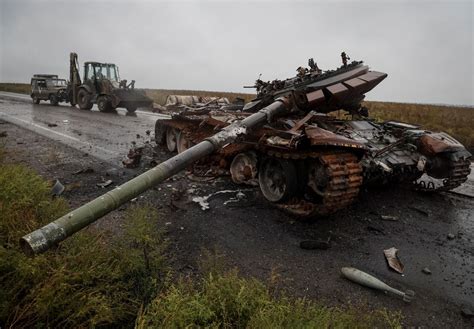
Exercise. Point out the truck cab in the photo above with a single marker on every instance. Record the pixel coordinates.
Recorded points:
(48, 87)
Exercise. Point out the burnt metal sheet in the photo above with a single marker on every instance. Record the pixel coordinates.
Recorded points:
(373, 75)
(338, 94)
(355, 83)
(316, 98)
(438, 143)
(360, 70)
(372, 78)
(319, 136)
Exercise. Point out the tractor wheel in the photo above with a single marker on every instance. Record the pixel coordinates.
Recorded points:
(53, 99)
(36, 100)
(131, 109)
(104, 104)
(84, 100)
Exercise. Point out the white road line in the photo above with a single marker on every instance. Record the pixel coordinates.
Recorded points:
(40, 129)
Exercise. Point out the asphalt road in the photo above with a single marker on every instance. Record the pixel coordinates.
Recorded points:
(259, 238)
(106, 136)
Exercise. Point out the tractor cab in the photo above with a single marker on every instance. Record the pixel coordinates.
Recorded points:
(102, 78)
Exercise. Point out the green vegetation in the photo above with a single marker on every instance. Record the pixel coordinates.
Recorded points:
(230, 301)
(87, 281)
(21, 88)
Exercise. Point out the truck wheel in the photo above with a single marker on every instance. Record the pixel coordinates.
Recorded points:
(104, 104)
(84, 100)
(36, 100)
(131, 109)
(53, 99)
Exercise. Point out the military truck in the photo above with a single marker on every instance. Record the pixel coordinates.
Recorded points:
(101, 85)
(48, 87)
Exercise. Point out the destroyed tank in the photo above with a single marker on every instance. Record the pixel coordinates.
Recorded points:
(305, 160)
(311, 162)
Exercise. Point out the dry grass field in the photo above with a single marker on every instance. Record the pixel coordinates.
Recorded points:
(455, 120)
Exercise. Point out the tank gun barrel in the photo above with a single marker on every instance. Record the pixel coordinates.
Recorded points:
(49, 235)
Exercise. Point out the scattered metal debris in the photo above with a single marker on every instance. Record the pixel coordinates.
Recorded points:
(133, 157)
(84, 171)
(238, 197)
(52, 125)
(451, 236)
(426, 270)
(105, 184)
(316, 244)
(3, 134)
(58, 188)
(66, 122)
(370, 281)
(389, 218)
(204, 200)
(393, 260)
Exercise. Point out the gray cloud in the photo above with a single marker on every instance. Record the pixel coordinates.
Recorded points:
(425, 47)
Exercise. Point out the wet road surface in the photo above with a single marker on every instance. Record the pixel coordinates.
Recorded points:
(259, 238)
(106, 136)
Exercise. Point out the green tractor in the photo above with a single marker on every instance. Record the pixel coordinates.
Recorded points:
(102, 86)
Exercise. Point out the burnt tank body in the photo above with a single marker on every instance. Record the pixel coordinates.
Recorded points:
(287, 141)
(310, 162)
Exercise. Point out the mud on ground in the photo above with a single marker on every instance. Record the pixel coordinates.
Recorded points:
(260, 240)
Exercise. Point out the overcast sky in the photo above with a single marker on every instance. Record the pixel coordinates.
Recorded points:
(426, 47)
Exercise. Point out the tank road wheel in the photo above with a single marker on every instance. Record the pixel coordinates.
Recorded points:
(84, 100)
(319, 178)
(171, 134)
(182, 142)
(278, 179)
(104, 105)
(36, 100)
(243, 168)
(53, 99)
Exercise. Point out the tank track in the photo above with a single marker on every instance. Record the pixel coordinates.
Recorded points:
(341, 191)
(460, 170)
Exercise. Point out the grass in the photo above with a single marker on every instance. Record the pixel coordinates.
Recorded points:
(20, 88)
(90, 280)
(227, 300)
